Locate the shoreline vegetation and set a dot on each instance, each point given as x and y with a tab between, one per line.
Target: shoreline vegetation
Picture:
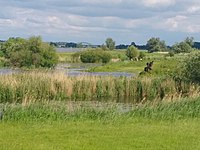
44	108
185	108
37	86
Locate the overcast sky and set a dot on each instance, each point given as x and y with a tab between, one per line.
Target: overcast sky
95	20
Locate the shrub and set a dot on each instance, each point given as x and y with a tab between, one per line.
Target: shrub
171	54
181	47
33	52
132	52
191	67
93	56
142	55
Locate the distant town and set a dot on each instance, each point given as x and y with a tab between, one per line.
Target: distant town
89	45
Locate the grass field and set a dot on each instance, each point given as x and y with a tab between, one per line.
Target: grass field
43	111
171	126
132	134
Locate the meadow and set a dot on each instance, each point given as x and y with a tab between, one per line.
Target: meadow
142	134
47	109
52	125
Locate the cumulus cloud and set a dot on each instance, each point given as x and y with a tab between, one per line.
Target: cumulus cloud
95	20
158	3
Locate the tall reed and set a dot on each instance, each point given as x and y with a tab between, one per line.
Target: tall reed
35	86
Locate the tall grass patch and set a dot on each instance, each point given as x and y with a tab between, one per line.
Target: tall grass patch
35	86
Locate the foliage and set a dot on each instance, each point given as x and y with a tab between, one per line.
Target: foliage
190	41
93	56
155	45
104	47
132	53
100	111
191	67
33	52
182	47
171	54
31	87
76	57
110	44
141	55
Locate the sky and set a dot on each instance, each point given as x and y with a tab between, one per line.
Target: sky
93	21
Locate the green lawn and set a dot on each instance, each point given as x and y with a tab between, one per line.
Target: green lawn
130	134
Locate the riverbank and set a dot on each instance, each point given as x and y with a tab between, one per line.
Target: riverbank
37	86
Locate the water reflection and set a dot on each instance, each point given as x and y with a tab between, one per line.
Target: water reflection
74	70
8	71
80	69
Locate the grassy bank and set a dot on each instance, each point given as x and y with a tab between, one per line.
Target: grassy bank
161	67
46	86
141	134
59	125
108	112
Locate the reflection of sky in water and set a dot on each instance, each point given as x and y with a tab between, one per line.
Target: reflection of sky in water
115	74
78	72
7	71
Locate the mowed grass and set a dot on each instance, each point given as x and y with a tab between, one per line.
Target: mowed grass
172	126
130	134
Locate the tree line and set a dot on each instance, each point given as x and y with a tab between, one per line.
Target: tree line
154	44
29	53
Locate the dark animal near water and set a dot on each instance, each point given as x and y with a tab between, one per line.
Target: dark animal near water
1	114
149	66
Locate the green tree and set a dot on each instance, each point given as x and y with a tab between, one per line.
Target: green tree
190	41
182	47
132	53
33	52
104	47
110	44
155	45
190	69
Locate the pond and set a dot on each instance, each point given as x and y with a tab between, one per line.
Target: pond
75	70
79	69
8	71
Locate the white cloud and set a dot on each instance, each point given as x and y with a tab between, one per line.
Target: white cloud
193	9
96	19
102	1
174	23
158	3
181	24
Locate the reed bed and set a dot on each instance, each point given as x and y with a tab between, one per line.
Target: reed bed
30	87
62	111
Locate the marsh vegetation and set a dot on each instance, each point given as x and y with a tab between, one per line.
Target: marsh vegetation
158	109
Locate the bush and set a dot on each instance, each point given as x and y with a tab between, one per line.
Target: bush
132	52
171	54
142	55
181	47
191	67
94	56
33	52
